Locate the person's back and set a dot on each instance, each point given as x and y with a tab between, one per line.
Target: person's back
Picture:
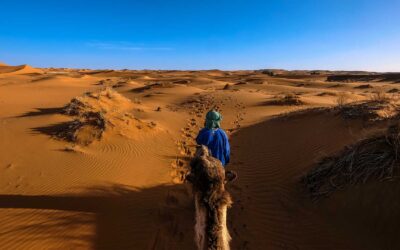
215	138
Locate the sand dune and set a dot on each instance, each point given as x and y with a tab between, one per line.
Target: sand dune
117	183
16	70
98	113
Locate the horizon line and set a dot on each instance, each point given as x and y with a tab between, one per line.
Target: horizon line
206	69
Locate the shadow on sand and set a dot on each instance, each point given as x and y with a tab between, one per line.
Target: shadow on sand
122	217
42	111
53	129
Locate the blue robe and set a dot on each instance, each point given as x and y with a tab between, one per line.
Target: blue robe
217	142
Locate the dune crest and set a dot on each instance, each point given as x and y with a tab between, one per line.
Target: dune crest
18	70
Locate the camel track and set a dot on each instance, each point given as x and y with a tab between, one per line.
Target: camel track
197	107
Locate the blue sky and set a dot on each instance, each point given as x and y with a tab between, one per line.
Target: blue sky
202	34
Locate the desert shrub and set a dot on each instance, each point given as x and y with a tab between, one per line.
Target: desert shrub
268	72
227	87
342	99
376	158
370	111
97	112
379	96
287	99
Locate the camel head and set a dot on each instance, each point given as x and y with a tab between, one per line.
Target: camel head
206	170
208	178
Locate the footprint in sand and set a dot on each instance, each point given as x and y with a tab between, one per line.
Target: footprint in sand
196	107
10	166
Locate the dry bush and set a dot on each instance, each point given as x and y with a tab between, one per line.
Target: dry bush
97	112
378	108
287	99
379	96
342	99
376	158
370	111
227	87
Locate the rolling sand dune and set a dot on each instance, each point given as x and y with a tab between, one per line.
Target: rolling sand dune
16	70
96	159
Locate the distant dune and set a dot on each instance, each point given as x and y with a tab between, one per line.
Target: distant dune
18	70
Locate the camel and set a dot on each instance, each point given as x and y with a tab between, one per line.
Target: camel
208	178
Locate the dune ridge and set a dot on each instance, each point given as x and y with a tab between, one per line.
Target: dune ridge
17	70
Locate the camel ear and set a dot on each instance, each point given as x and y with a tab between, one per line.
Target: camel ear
230	175
189	178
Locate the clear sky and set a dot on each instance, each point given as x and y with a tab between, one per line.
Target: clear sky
202	34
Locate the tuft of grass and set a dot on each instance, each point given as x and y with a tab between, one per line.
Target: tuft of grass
286	100
227	87
375	158
379	96
342	99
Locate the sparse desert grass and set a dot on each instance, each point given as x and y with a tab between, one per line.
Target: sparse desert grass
379	107
342	99
285	100
370	111
379	96
227	87
95	113
375	158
